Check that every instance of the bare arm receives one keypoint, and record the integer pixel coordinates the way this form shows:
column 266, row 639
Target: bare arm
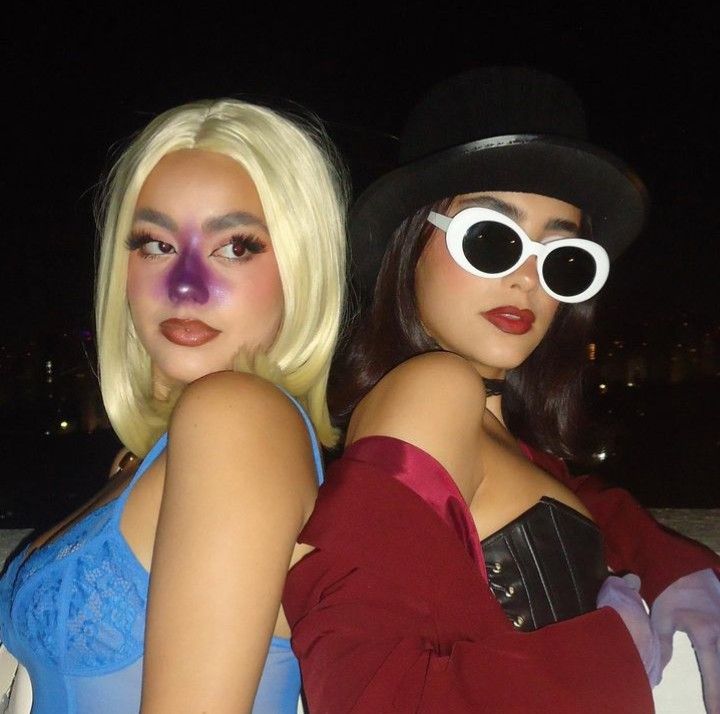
column 238, row 488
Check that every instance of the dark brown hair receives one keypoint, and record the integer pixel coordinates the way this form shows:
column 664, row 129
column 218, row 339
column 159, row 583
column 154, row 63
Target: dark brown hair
column 542, row 402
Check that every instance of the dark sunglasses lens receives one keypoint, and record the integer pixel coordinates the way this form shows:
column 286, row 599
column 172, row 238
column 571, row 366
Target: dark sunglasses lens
column 492, row 247
column 569, row 271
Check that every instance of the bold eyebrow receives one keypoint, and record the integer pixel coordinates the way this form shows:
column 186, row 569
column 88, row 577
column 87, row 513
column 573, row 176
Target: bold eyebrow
column 512, row 211
column 562, row 224
column 211, row 225
column 157, row 217
column 494, row 204
column 232, row 220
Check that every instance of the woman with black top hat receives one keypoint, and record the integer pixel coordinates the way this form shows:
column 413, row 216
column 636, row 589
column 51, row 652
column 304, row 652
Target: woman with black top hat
column 457, row 566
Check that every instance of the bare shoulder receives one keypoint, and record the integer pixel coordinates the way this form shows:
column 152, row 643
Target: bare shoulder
column 242, row 421
column 235, row 397
column 437, row 385
column 436, row 373
column 435, row 401
column 243, row 405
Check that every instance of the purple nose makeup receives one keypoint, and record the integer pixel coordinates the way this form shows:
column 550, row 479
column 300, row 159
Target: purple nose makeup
column 189, row 279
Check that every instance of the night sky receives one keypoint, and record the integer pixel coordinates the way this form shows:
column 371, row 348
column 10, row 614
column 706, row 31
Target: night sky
column 78, row 82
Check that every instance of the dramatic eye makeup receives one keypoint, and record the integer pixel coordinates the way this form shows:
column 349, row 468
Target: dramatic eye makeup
column 240, row 248
column 148, row 246
column 199, row 261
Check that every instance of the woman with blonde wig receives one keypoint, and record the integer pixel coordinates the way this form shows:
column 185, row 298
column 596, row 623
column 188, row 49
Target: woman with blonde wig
column 219, row 294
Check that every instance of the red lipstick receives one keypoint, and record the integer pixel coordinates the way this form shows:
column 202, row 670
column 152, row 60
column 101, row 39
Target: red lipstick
column 187, row 333
column 510, row 319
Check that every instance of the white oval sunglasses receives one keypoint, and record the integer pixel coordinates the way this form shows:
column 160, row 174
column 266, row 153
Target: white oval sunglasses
column 488, row 244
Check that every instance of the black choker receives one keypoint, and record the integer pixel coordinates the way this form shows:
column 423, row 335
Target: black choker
column 493, row 387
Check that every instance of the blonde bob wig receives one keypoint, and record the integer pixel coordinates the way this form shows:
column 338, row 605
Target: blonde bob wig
column 303, row 193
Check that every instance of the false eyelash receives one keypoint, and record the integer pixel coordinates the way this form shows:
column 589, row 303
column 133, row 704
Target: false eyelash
column 249, row 242
column 138, row 240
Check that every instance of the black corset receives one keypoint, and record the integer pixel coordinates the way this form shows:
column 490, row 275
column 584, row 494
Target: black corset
column 545, row 566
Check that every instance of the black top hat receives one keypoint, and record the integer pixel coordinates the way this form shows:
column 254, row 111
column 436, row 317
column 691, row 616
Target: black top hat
column 498, row 129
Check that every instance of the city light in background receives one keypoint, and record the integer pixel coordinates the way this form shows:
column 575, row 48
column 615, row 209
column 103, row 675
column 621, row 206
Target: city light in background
column 636, row 386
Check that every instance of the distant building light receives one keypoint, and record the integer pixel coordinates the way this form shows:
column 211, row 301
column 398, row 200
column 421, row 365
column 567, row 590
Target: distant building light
column 600, row 455
column 631, row 384
column 592, row 351
column 63, row 424
column 602, row 388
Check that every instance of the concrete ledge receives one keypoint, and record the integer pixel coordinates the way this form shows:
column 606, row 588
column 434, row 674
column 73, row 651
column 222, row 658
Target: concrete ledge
column 9, row 538
column 701, row 524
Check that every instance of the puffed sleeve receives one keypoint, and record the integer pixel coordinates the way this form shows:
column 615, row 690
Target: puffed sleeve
column 390, row 613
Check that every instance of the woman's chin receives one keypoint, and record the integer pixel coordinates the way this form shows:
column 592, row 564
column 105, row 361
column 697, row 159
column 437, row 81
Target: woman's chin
column 496, row 364
column 179, row 375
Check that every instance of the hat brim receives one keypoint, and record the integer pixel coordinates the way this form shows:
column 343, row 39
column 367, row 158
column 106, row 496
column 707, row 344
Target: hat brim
column 595, row 181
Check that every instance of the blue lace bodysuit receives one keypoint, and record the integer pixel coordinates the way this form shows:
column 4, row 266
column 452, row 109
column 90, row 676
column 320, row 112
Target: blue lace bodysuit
column 73, row 613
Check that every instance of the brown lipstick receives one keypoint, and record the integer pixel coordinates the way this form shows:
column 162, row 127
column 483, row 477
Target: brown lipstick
column 187, row 333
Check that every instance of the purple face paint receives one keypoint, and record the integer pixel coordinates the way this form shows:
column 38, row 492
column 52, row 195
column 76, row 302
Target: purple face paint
column 190, row 279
